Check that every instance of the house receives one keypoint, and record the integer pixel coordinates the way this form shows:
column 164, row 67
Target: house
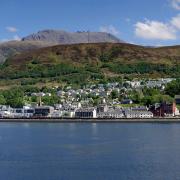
column 127, row 101
column 135, row 84
column 86, row 113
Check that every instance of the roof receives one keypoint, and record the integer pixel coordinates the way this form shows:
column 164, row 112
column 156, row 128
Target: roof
column 85, row 110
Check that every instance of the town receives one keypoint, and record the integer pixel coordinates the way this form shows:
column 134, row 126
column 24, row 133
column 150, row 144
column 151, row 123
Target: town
column 111, row 101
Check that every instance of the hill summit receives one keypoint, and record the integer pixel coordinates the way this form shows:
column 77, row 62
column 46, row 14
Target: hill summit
column 63, row 37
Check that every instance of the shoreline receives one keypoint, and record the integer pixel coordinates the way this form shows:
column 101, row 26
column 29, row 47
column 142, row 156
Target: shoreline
column 97, row 120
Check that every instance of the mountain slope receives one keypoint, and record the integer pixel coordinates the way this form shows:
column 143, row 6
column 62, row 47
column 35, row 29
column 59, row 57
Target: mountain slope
column 80, row 64
column 48, row 38
column 111, row 52
column 11, row 48
column 63, row 37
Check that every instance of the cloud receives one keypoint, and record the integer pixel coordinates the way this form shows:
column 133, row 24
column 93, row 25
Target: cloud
column 176, row 21
column 109, row 29
column 175, row 4
column 155, row 30
column 16, row 38
column 11, row 29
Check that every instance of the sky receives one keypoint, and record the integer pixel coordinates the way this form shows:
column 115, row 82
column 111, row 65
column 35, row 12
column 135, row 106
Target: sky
column 144, row 22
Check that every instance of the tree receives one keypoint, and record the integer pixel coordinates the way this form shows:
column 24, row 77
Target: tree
column 14, row 97
column 2, row 100
column 173, row 88
column 114, row 94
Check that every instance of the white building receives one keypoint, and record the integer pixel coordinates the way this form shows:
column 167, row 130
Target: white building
column 138, row 114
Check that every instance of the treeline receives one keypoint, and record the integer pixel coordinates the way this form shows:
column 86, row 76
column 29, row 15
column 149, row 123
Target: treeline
column 143, row 68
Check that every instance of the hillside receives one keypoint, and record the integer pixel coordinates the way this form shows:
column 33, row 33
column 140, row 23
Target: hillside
column 63, row 37
column 11, row 48
column 83, row 63
column 48, row 38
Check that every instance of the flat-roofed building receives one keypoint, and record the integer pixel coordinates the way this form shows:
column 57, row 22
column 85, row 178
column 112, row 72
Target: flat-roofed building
column 86, row 113
column 43, row 111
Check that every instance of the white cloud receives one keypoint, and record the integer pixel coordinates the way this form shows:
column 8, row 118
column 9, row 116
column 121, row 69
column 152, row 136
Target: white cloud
column 176, row 21
column 155, row 30
column 11, row 29
column 16, row 38
column 175, row 4
column 109, row 29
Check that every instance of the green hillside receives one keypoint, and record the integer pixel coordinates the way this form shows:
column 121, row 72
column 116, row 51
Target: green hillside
column 83, row 63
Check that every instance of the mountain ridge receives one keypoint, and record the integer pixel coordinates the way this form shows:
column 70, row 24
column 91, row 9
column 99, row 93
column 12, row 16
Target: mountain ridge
column 64, row 37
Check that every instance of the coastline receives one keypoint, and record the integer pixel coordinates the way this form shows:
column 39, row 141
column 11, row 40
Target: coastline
column 97, row 120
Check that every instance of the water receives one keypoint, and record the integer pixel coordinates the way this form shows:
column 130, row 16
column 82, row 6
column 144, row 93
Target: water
column 73, row 151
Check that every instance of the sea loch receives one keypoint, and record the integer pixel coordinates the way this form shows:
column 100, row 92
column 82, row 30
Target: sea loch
column 108, row 151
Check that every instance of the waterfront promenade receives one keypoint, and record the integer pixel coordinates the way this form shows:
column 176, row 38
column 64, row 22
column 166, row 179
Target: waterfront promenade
column 73, row 120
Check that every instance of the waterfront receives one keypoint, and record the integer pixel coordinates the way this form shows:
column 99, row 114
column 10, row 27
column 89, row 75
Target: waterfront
column 88, row 151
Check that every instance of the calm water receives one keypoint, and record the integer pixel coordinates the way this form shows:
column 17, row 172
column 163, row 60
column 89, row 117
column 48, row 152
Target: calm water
column 89, row 151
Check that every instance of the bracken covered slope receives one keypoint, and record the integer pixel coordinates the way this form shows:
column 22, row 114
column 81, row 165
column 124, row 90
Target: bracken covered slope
column 83, row 63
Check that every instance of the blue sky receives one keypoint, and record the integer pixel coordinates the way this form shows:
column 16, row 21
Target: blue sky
column 153, row 22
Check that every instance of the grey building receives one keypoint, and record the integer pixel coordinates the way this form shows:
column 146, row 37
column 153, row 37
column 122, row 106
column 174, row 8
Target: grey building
column 86, row 113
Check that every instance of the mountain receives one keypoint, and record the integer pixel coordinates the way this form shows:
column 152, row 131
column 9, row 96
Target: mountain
column 63, row 37
column 8, row 49
column 48, row 38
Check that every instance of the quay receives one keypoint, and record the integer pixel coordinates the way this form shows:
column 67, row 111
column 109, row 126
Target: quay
column 87, row 120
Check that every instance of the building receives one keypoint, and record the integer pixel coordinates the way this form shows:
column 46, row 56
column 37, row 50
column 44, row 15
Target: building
column 86, row 113
column 164, row 109
column 177, row 99
column 114, row 114
column 25, row 112
column 140, row 108
column 138, row 114
column 28, row 111
column 56, row 114
column 102, row 108
column 127, row 101
column 43, row 111
column 5, row 111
